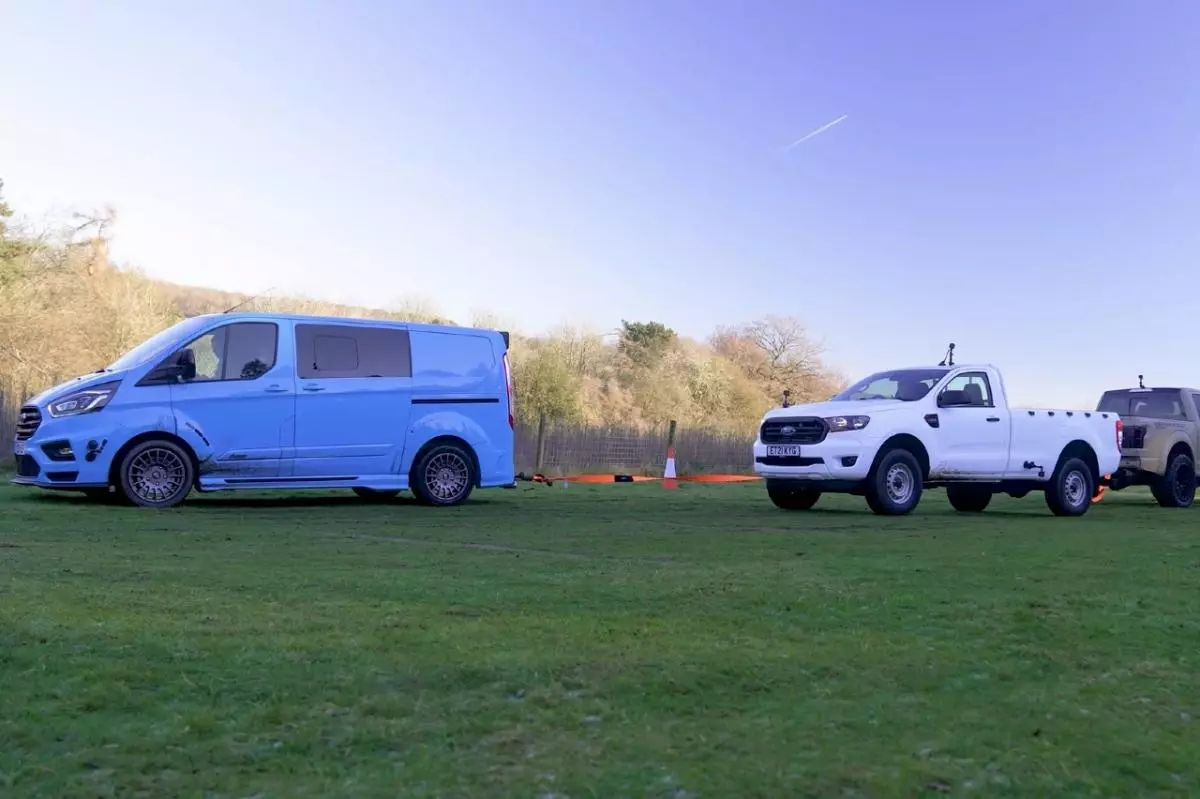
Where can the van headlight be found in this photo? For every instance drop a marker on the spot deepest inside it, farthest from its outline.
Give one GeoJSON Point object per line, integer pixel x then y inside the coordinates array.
{"type": "Point", "coordinates": [838, 424]}
{"type": "Point", "coordinates": [86, 400]}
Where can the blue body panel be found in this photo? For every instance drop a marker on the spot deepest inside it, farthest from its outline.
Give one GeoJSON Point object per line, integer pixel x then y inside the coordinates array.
{"type": "Point", "coordinates": [286, 423]}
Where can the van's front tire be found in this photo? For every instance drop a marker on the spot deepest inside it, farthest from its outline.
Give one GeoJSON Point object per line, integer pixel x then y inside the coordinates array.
{"type": "Point", "coordinates": [895, 483]}
{"type": "Point", "coordinates": [156, 474]}
{"type": "Point", "coordinates": [789, 496]}
{"type": "Point", "coordinates": [1070, 490]}
{"type": "Point", "coordinates": [443, 475]}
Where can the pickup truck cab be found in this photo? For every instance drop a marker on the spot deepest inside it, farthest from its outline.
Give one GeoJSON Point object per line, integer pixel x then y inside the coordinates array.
{"type": "Point", "coordinates": [895, 433]}
{"type": "Point", "coordinates": [1161, 433]}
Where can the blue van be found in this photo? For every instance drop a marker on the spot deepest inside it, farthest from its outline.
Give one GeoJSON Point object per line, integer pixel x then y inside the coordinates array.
{"type": "Point", "coordinates": [269, 401]}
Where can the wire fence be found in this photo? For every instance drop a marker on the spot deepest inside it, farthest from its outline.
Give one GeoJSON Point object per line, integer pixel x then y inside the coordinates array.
{"type": "Point", "coordinates": [553, 449]}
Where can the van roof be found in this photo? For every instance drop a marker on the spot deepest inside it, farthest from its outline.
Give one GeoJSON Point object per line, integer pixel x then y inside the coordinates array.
{"type": "Point", "coordinates": [354, 320]}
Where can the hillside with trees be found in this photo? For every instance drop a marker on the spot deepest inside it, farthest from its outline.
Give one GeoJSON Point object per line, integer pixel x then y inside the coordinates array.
{"type": "Point", "coordinates": [67, 309]}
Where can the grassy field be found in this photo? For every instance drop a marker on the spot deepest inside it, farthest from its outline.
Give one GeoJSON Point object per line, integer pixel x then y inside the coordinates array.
{"type": "Point", "coordinates": [599, 641]}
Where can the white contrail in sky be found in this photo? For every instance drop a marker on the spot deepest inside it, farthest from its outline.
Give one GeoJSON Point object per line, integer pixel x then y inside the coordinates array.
{"type": "Point", "coordinates": [816, 132]}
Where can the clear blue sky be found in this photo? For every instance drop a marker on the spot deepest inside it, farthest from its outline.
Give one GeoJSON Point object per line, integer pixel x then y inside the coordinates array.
{"type": "Point", "coordinates": [1018, 177]}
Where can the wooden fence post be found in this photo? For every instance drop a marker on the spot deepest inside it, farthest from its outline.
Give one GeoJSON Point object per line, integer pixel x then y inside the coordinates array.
{"type": "Point", "coordinates": [541, 444]}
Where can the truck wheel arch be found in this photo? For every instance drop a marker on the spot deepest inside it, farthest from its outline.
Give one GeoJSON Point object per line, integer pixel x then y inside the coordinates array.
{"type": "Point", "coordinates": [909, 442]}
{"type": "Point", "coordinates": [1082, 450]}
{"type": "Point", "coordinates": [1180, 447]}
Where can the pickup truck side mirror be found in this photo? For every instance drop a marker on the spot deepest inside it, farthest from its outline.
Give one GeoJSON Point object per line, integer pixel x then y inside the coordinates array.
{"type": "Point", "coordinates": [952, 398]}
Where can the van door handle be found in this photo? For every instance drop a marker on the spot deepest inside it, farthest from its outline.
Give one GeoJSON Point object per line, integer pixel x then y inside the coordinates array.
{"type": "Point", "coordinates": [311, 387]}
{"type": "Point", "coordinates": [993, 418]}
{"type": "Point", "coordinates": [275, 389]}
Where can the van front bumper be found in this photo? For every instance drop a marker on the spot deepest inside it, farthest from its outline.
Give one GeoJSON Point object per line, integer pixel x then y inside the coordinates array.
{"type": "Point", "coordinates": [68, 453]}
{"type": "Point", "coordinates": [841, 457]}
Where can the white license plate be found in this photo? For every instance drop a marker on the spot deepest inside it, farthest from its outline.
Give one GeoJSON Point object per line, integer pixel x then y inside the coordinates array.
{"type": "Point", "coordinates": [19, 448]}
{"type": "Point", "coordinates": [783, 451]}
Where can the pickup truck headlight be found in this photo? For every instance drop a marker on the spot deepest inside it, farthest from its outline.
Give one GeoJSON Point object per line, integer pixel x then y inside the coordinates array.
{"type": "Point", "coordinates": [838, 424]}
{"type": "Point", "coordinates": [86, 401]}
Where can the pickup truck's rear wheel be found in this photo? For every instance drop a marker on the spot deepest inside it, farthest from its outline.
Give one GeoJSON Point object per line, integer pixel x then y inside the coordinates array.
{"type": "Point", "coordinates": [968, 498]}
{"type": "Point", "coordinates": [1071, 488]}
{"type": "Point", "coordinates": [894, 485]}
{"type": "Point", "coordinates": [1177, 487]}
{"type": "Point", "coordinates": [789, 496]}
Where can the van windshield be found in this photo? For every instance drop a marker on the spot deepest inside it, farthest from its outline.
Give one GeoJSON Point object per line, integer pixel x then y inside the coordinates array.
{"type": "Point", "coordinates": [906, 385]}
{"type": "Point", "coordinates": [1151, 403]}
{"type": "Point", "coordinates": [179, 332]}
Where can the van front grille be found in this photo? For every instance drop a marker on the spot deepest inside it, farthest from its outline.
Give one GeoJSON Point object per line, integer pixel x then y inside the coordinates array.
{"type": "Point", "coordinates": [28, 423]}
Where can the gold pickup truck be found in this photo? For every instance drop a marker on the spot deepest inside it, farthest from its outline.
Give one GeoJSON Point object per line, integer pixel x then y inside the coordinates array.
{"type": "Point", "coordinates": [1159, 441]}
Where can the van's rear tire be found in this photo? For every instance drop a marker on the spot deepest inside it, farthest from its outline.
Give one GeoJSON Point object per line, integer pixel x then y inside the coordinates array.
{"type": "Point", "coordinates": [371, 495]}
{"type": "Point", "coordinates": [1177, 487]}
{"type": "Point", "coordinates": [1071, 488]}
{"type": "Point", "coordinates": [443, 475]}
{"type": "Point", "coordinates": [789, 496]}
{"type": "Point", "coordinates": [893, 488]}
{"type": "Point", "coordinates": [968, 498]}
{"type": "Point", "coordinates": [156, 474]}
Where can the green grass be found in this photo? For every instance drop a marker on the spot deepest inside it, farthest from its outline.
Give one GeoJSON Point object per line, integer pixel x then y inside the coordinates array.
{"type": "Point", "coordinates": [599, 641]}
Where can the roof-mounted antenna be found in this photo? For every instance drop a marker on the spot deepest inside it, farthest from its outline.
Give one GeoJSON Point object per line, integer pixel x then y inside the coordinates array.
{"type": "Point", "coordinates": [251, 298]}
{"type": "Point", "coordinates": [1140, 383]}
{"type": "Point", "coordinates": [949, 359]}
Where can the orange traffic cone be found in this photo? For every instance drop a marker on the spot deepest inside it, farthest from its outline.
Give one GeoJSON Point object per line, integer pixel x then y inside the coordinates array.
{"type": "Point", "coordinates": [669, 480]}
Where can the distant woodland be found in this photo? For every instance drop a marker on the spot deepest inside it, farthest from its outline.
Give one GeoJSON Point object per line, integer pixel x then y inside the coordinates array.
{"type": "Point", "coordinates": [67, 309]}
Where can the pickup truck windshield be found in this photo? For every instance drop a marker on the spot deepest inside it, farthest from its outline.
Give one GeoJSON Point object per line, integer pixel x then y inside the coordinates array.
{"type": "Point", "coordinates": [1150, 403]}
{"type": "Point", "coordinates": [906, 385]}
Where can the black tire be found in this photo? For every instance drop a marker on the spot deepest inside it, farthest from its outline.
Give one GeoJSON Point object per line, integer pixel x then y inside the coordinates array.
{"type": "Point", "coordinates": [371, 495]}
{"type": "Point", "coordinates": [1071, 488]}
{"type": "Point", "coordinates": [1176, 488]}
{"type": "Point", "coordinates": [895, 483]}
{"type": "Point", "coordinates": [789, 496]}
{"type": "Point", "coordinates": [156, 474]}
{"type": "Point", "coordinates": [968, 498]}
{"type": "Point", "coordinates": [444, 475]}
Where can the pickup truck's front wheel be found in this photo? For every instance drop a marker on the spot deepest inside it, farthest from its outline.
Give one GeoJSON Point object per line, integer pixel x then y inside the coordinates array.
{"type": "Point", "coordinates": [1071, 488]}
{"type": "Point", "coordinates": [789, 496]}
{"type": "Point", "coordinates": [894, 484]}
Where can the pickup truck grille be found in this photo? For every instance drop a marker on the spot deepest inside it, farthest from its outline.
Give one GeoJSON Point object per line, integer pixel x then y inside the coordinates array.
{"type": "Point", "coordinates": [801, 430]}
{"type": "Point", "coordinates": [28, 423]}
{"type": "Point", "coordinates": [1133, 438]}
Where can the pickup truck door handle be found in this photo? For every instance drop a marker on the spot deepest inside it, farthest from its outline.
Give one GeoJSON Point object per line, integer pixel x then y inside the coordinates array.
{"type": "Point", "coordinates": [314, 387]}
{"type": "Point", "coordinates": [993, 418]}
{"type": "Point", "coordinates": [275, 389]}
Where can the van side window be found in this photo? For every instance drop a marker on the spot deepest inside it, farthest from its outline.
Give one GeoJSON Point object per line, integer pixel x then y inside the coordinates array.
{"type": "Point", "coordinates": [239, 351]}
{"type": "Point", "coordinates": [976, 387]}
{"type": "Point", "coordinates": [345, 351]}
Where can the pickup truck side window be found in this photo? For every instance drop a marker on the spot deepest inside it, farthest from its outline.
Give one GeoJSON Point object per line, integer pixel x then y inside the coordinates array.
{"type": "Point", "coordinates": [975, 385]}
{"type": "Point", "coordinates": [1196, 401]}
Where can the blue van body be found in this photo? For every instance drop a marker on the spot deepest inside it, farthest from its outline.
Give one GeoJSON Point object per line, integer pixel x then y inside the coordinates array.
{"type": "Point", "coordinates": [271, 401]}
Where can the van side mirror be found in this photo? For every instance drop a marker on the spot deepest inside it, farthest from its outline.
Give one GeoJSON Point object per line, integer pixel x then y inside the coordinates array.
{"type": "Point", "coordinates": [953, 398]}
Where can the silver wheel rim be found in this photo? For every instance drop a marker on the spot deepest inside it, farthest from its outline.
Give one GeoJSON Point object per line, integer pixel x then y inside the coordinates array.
{"type": "Point", "coordinates": [447, 476]}
{"type": "Point", "coordinates": [900, 483]}
{"type": "Point", "coordinates": [1075, 487]}
{"type": "Point", "coordinates": [157, 474]}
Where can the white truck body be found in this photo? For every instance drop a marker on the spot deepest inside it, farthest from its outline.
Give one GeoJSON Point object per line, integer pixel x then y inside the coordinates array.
{"type": "Point", "coordinates": [956, 423]}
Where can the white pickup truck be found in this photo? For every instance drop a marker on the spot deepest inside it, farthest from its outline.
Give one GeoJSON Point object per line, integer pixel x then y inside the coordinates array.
{"type": "Point", "coordinates": [891, 435]}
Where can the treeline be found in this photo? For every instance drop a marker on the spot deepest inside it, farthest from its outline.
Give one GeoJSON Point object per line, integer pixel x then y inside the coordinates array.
{"type": "Point", "coordinates": [66, 309]}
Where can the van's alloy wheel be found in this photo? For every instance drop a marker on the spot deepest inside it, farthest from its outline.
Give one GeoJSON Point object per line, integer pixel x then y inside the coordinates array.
{"type": "Point", "coordinates": [156, 474]}
{"type": "Point", "coordinates": [443, 476]}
